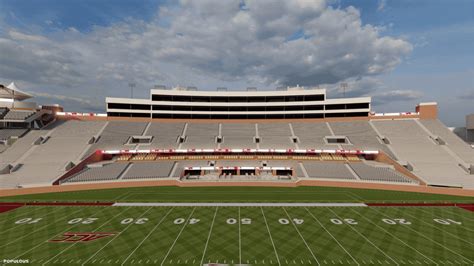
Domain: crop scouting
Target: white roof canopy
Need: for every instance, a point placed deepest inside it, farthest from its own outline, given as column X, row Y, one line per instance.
column 12, row 92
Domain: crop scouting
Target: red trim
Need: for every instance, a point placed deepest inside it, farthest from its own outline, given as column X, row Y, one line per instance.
column 5, row 208
column 410, row 204
column 19, row 204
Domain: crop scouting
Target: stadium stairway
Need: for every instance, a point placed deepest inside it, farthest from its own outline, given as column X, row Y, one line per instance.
column 433, row 164
column 448, row 150
column 46, row 153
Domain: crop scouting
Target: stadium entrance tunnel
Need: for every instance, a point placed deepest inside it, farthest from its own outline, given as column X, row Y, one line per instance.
column 247, row 171
column 192, row 172
column 229, row 171
column 285, row 172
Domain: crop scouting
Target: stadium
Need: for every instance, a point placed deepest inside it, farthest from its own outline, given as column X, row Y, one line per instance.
column 194, row 177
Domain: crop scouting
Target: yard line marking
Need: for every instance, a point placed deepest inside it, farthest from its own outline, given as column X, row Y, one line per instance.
column 271, row 239
column 115, row 236
column 368, row 240
column 451, row 210
column 41, row 243
column 432, row 214
column 439, row 228
column 317, row 220
column 146, row 237
column 394, row 236
column 36, row 229
column 302, row 238
column 240, row 242
column 436, row 242
column 26, row 213
column 62, row 251
column 208, row 237
column 177, row 237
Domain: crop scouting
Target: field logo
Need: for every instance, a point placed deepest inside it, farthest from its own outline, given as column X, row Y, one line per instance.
column 80, row 237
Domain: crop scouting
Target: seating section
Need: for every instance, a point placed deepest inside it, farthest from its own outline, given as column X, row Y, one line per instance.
column 19, row 115
column 67, row 140
column 8, row 133
column 110, row 171
column 116, row 134
column 121, row 128
column 201, row 136
column 457, row 145
column 165, row 135
column 21, row 146
column 361, row 135
column 430, row 161
column 3, row 112
column 238, row 135
column 311, row 135
column 40, row 156
column 275, row 136
column 64, row 141
column 383, row 174
column 158, row 169
column 327, row 170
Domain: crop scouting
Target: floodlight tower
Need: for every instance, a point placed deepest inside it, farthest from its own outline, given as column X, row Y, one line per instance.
column 343, row 87
column 132, row 86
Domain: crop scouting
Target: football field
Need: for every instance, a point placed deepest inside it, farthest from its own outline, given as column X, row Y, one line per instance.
column 252, row 235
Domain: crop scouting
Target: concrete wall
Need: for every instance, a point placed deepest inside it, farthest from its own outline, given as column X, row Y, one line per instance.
column 470, row 122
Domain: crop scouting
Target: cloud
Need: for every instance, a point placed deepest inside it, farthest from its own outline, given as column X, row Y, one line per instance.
column 381, row 5
column 396, row 96
column 70, row 102
column 357, row 87
column 203, row 42
column 467, row 96
column 15, row 35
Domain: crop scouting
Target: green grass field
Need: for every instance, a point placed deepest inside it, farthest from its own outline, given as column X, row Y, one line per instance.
column 241, row 235
column 240, row 194
column 137, row 235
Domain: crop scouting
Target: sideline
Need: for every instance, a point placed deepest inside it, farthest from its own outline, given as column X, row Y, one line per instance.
column 237, row 204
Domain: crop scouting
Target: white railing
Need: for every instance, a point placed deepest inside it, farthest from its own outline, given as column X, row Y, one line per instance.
column 194, row 151
column 75, row 114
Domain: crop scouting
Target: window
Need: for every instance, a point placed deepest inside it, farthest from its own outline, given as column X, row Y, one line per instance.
column 162, row 107
column 139, row 114
column 140, row 107
column 357, row 105
column 317, row 97
column 313, row 115
column 201, row 116
column 275, row 99
column 118, row 106
column 162, row 115
column 182, row 98
column 275, row 108
column 201, row 108
column 237, row 99
column 335, row 106
column 256, row 99
column 256, row 108
column 159, row 97
column 335, row 115
column 314, row 107
column 275, row 116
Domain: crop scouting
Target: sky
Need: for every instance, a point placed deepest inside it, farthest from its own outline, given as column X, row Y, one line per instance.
column 399, row 52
